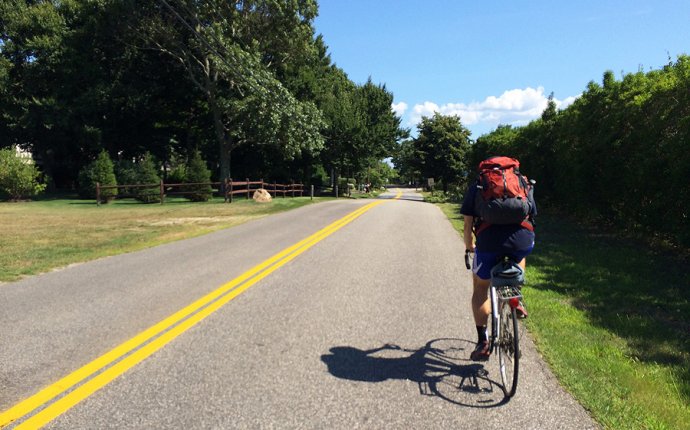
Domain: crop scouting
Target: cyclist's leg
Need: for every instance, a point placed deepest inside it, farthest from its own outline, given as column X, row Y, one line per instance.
column 521, row 258
column 481, row 308
column 481, row 305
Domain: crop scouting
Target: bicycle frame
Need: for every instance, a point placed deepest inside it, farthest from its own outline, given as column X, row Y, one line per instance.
column 495, row 317
column 506, row 292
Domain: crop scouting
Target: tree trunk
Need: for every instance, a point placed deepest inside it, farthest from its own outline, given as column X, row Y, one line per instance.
column 222, row 138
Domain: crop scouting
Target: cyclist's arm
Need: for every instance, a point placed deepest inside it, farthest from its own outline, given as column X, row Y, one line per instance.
column 467, row 233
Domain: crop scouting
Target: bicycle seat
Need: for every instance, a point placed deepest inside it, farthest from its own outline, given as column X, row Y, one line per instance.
column 507, row 273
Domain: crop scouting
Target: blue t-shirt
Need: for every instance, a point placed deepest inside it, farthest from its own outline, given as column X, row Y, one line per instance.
column 499, row 238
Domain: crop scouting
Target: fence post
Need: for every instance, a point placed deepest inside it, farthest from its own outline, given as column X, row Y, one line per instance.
column 230, row 190
column 336, row 191
column 162, row 192
column 247, row 188
column 275, row 189
column 292, row 187
column 225, row 189
column 311, row 192
column 98, row 194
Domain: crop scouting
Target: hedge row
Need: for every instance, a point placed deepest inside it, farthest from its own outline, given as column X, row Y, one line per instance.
column 620, row 152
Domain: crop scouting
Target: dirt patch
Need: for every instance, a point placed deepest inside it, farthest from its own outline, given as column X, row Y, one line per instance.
column 200, row 220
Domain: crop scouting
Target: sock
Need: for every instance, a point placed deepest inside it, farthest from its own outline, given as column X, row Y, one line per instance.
column 481, row 334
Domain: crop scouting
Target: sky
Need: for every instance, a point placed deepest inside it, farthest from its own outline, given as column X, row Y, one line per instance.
column 497, row 61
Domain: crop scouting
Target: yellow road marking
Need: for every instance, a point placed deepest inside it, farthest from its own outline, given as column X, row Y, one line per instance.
column 170, row 327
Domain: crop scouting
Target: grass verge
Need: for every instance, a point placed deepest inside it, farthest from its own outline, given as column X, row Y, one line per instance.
column 43, row 235
column 612, row 319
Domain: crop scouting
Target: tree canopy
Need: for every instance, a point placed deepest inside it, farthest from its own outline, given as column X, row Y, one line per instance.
column 440, row 151
column 247, row 83
column 618, row 154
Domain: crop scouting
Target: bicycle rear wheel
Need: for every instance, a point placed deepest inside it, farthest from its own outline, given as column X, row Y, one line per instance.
column 508, row 349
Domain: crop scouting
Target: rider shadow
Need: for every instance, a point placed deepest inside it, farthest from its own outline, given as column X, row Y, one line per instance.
column 440, row 368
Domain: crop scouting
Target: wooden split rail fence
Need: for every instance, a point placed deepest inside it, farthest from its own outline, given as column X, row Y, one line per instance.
column 227, row 188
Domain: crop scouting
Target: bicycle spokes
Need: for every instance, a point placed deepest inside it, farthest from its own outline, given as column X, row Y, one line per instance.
column 508, row 348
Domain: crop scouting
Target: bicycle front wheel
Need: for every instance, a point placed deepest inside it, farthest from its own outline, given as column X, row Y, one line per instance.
column 508, row 349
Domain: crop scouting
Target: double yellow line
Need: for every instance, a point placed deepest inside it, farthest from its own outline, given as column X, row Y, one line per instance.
column 117, row 361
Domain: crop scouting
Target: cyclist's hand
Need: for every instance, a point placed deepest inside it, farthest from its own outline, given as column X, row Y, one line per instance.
column 468, row 256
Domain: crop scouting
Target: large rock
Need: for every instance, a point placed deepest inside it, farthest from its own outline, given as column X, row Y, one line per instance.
column 262, row 196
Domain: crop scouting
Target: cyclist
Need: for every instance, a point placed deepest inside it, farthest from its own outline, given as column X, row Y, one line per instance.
column 492, row 242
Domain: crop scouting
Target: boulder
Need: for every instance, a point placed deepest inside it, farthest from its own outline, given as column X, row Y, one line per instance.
column 262, row 196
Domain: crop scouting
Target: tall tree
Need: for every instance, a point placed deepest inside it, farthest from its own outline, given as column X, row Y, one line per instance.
column 407, row 163
column 363, row 129
column 618, row 153
column 231, row 51
column 31, row 35
column 443, row 146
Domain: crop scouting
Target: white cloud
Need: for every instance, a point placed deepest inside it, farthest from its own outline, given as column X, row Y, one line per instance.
column 515, row 107
column 567, row 102
column 399, row 108
column 426, row 109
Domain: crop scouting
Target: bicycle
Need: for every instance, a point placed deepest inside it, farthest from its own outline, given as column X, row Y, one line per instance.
column 505, row 294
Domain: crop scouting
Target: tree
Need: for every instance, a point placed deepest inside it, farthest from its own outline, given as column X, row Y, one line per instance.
column 498, row 142
column 18, row 175
column 618, row 154
column 443, row 145
column 30, row 38
column 245, row 82
column 381, row 174
column 231, row 52
column 101, row 171
column 407, row 163
column 362, row 127
column 197, row 173
column 147, row 174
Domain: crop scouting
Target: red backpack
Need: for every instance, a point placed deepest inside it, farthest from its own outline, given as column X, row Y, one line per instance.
column 503, row 195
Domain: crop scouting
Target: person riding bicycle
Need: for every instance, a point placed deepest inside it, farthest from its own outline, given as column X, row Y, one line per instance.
column 505, row 236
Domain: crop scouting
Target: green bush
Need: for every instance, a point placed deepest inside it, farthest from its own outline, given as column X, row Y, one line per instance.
column 618, row 155
column 18, row 177
column 320, row 177
column 197, row 172
column 101, row 171
column 438, row 197
column 177, row 175
column 147, row 174
column 126, row 174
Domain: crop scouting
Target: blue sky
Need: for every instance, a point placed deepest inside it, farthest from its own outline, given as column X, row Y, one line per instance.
column 496, row 62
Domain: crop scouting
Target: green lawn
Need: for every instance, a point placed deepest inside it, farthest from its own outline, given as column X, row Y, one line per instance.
column 612, row 318
column 42, row 235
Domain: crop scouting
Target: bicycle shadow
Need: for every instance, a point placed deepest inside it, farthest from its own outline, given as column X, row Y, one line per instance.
column 441, row 368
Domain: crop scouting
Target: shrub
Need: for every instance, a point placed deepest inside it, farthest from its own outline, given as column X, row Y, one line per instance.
column 126, row 174
column 197, row 172
column 101, row 171
column 177, row 175
column 319, row 177
column 18, row 177
column 147, row 173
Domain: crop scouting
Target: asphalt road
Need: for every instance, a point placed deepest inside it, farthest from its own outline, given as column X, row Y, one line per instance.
column 369, row 328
